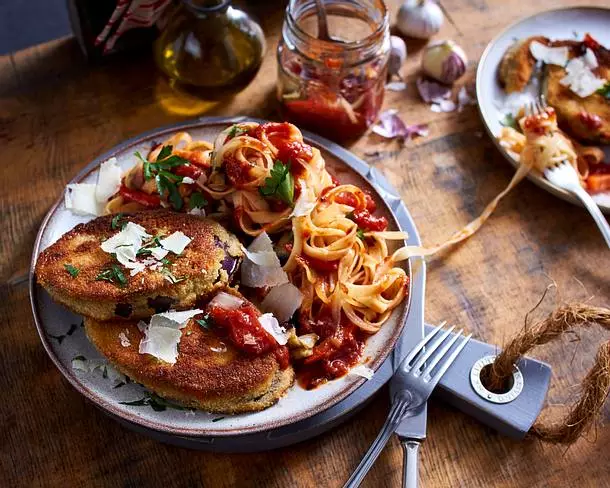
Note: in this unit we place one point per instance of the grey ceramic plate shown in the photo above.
(64, 339)
(556, 24)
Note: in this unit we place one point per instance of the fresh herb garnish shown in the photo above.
(197, 200)
(509, 121)
(116, 221)
(167, 182)
(112, 274)
(143, 252)
(73, 270)
(235, 132)
(154, 401)
(60, 338)
(280, 184)
(205, 322)
(360, 234)
(605, 90)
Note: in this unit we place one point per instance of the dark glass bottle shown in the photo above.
(210, 48)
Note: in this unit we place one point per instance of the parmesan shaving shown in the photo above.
(175, 242)
(549, 55)
(80, 199)
(272, 326)
(258, 275)
(362, 370)
(108, 180)
(125, 342)
(282, 301)
(305, 203)
(162, 335)
(226, 301)
(580, 78)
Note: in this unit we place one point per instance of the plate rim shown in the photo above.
(109, 407)
(531, 176)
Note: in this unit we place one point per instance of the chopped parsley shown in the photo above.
(360, 234)
(60, 338)
(112, 274)
(205, 322)
(73, 270)
(197, 200)
(167, 182)
(605, 90)
(155, 402)
(116, 221)
(509, 121)
(235, 132)
(280, 184)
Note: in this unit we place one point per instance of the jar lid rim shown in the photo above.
(348, 45)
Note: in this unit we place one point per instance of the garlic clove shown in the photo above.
(419, 18)
(444, 61)
(398, 56)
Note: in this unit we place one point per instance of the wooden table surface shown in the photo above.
(57, 113)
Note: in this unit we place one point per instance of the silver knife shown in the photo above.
(412, 430)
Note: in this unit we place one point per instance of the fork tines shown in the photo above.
(432, 349)
(537, 107)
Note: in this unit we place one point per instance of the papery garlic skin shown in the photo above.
(444, 61)
(419, 18)
(398, 56)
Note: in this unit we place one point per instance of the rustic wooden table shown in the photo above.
(57, 113)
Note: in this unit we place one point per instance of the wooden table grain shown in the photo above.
(57, 113)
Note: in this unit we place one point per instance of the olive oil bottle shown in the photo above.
(210, 48)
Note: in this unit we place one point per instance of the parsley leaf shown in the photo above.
(360, 234)
(113, 274)
(280, 184)
(605, 90)
(509, 121)
(116, 221)
(73, 270)
(167, 182)
(235, 132)
(197, 200)
(205, 322)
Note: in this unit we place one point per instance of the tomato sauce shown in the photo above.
(143, 198)
(320, 264)
(188, 170)
(293, 150)
(339, 349)
(242, 328)
(366, 221)
(237, 172)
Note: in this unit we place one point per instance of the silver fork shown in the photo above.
(564, 176)
(416, 376)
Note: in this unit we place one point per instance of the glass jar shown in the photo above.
(210, 48)
(334, 87)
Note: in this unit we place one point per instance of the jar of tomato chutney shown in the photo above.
(333, 84)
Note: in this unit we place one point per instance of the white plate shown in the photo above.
(54, 320)
(565, 23)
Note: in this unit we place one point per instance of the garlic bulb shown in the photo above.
(419, 18)
(444, 61)
(398, 55)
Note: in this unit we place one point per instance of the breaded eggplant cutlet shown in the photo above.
(587, 119)
(90, 281)
(209, 374)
